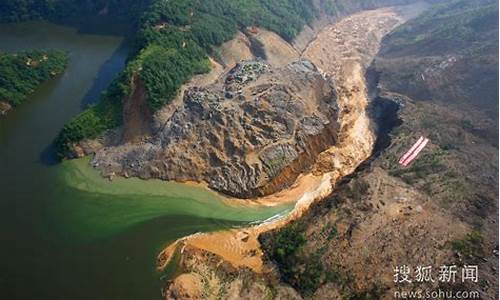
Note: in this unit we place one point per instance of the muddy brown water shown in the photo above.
(65, 232)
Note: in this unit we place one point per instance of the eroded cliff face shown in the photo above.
(251, 138)
(342, 51)
(442, 209)
(249, 134)
(136, 114)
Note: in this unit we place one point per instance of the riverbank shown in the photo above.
(356, 40)
(23, 72)
(441, 210)
(67, 231)
(144, 200)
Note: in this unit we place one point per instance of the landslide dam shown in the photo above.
(341, 52)
(88, 237)
(260, 118)
(249, 134)
(66, 232)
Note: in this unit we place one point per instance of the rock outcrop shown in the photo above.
(249, 134)
(442, 208)
(4, 108)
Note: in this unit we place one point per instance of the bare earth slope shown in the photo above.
(249, 134)
(440, 211)
(228, 262)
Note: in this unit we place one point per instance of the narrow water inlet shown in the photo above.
(66, 231)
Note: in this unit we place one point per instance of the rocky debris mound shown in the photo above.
(252, 133)
(245, 72)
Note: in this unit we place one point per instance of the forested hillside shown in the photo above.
(22, 10)
(172, 45)
(21, 73)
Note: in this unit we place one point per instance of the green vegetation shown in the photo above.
(303, 272)
(426, 165)
(471, 246)
(450, 26)
(106, 114)
(456, 43)
(176, 36)
(21, 73)
(333, 233)
(288, 242)
(163, 70)
(213, 22)
(330, 232)
(172, 45)
(22, 10)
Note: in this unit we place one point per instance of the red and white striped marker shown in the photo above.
(411, 154)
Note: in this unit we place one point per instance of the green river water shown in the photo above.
(65, 232)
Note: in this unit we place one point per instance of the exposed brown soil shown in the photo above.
(236, 50)
(346, 68)
(278, 52)
(161, 117)
(440, 211)
(136, 114)
(251, 133)
(240, 247)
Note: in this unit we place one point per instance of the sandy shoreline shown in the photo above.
(356, 39)
(240, 246)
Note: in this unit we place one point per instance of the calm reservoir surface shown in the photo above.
(65, 232)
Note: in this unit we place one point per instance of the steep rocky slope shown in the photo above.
(251, 141)
(450, 62)
(251, 133)
(84, 135)
(235, 257)
(442, 210)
